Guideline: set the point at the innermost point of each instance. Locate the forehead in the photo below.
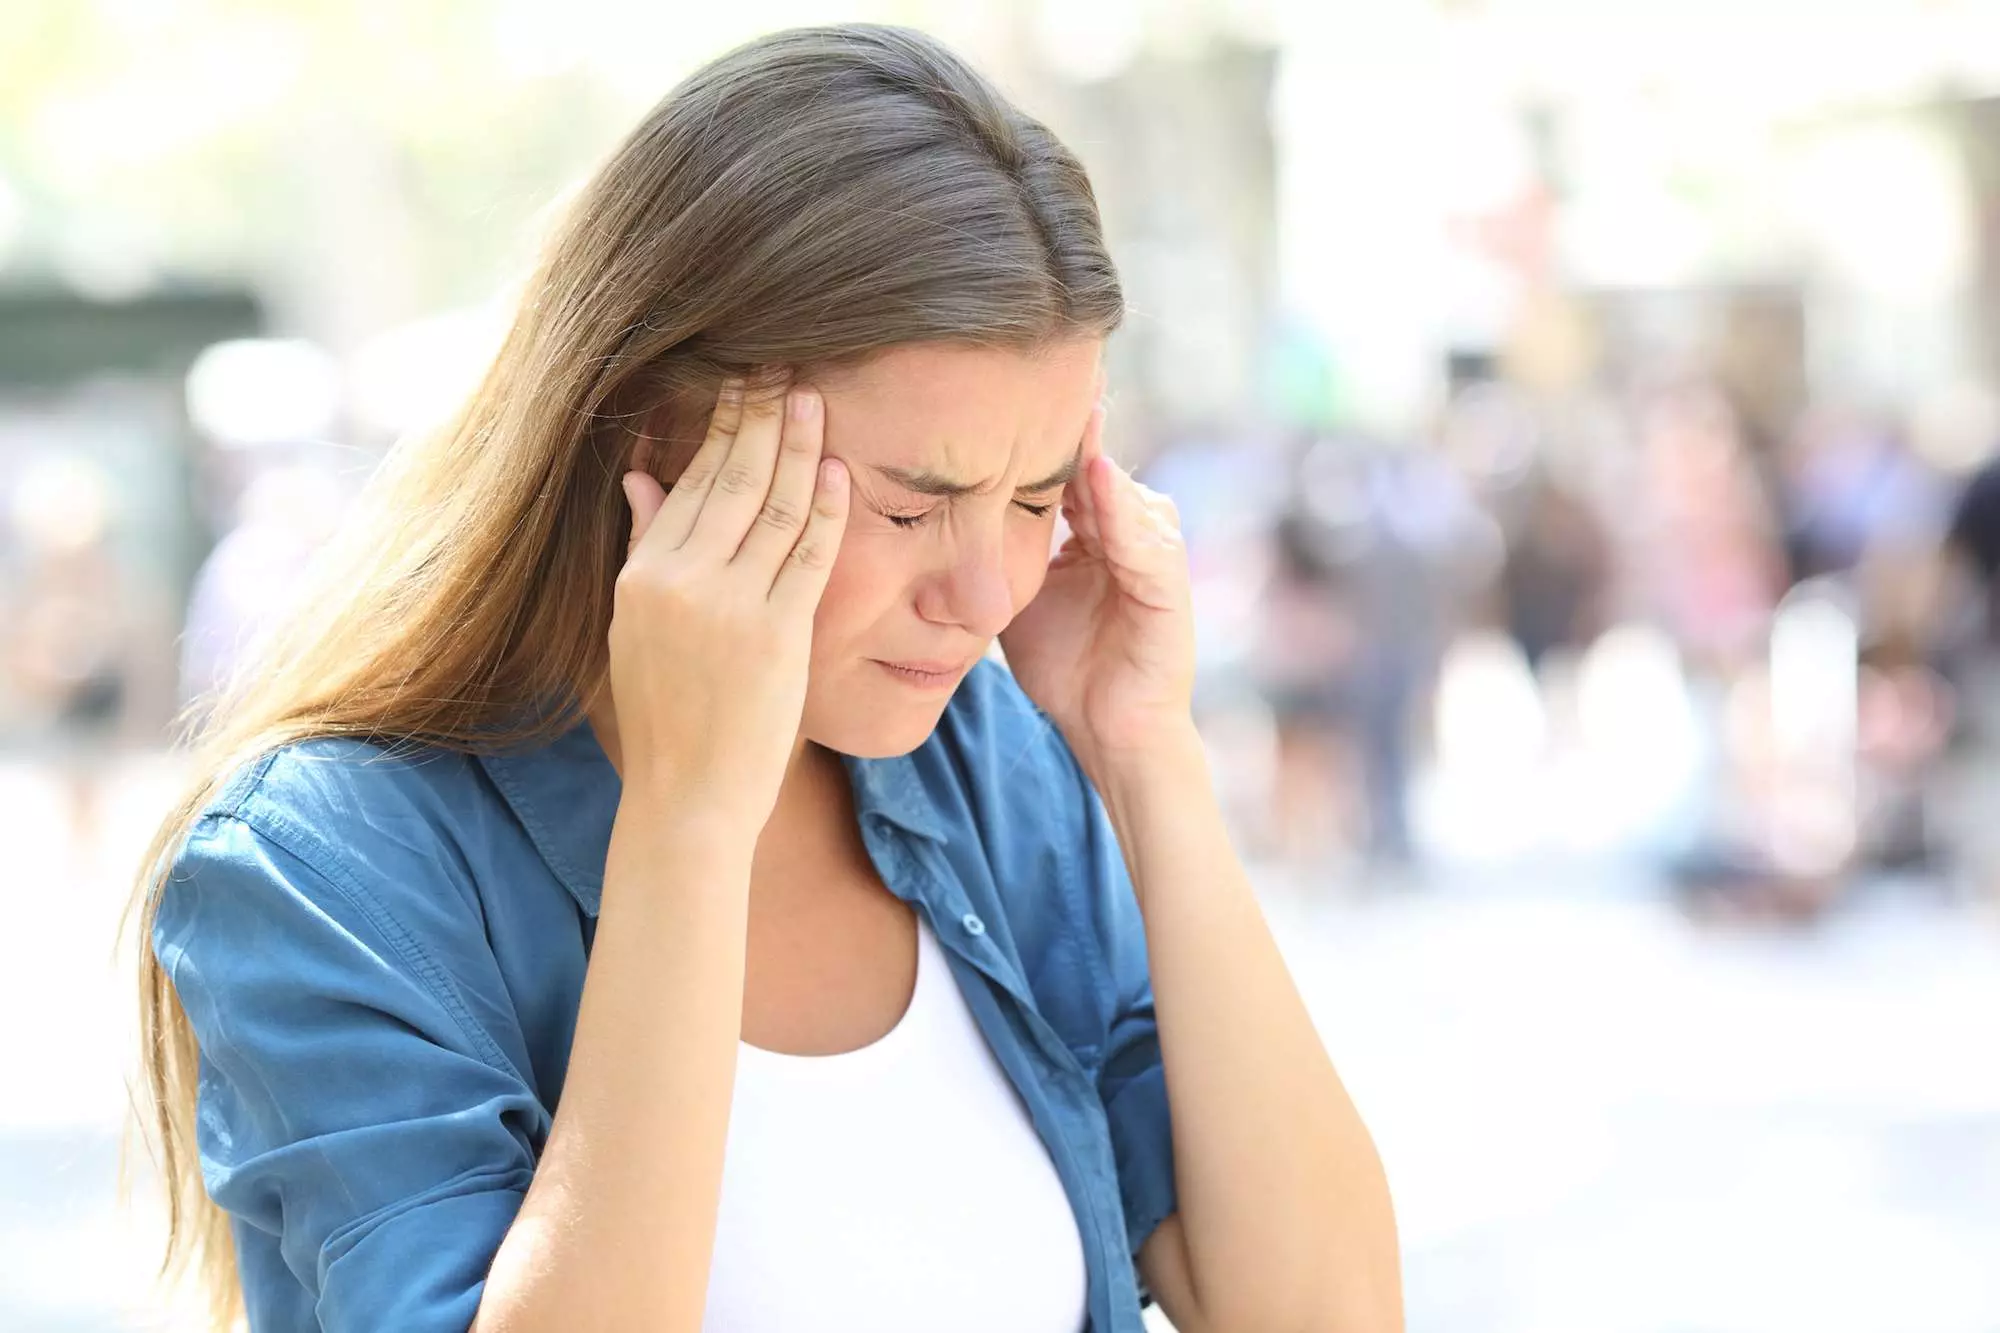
(968, 412)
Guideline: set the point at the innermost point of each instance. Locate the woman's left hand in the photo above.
(1106, 648)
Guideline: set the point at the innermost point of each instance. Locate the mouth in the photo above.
(925, 675)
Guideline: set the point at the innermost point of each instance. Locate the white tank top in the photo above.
(899, 1188)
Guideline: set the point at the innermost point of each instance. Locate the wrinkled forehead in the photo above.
(973, 414)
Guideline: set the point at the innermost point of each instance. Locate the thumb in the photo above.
(644, 495)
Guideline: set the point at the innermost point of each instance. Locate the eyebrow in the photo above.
(925, 482)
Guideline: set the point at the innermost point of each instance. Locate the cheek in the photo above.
(869, 577)
(1028, 553)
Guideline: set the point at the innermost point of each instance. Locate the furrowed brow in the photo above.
(1062, 476)
(925, 482)
(922, 481)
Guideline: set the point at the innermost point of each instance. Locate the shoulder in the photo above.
(332, 787)
(393, 814)
(368, 1091)
(331, 868)
(346, 832)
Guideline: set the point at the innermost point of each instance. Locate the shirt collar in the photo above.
(565, 794)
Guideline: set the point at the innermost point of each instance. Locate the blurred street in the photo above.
(1596, 1116)
(1585, 431)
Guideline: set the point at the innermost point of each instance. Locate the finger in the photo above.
(802, 578)
(1115, 499)
(1145, 556)
(743, 480)
(775, 530)
(1078, 507)
(1093, 430)
(643, 496)
(684, 501)
(1069, 553)
(1158, 509)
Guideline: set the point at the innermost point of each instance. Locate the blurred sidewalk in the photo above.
(1598, 1118)
(71, 1261)
(1595, 1116)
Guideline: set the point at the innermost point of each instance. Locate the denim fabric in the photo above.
(382, 954)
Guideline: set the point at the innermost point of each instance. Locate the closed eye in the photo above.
(916, 520)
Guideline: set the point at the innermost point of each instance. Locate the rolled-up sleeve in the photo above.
(350, 1109)
(1131, 1081)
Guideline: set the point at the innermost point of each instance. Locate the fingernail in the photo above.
(833, 474)
(804, 403)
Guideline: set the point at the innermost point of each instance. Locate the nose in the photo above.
(971, 593)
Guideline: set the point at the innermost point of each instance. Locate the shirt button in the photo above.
(973, 925)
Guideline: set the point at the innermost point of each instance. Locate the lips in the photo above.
(927, 668)
(926, 675)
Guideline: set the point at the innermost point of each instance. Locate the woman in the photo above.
(867, 1034)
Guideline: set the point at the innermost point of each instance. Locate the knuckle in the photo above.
(764, 406)
(737, 479)
(639, 582)
(665, 575)
(780, 514)
(810, 554)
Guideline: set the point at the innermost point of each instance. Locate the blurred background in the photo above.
(1585, 423)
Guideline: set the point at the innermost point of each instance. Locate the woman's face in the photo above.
(958, 458)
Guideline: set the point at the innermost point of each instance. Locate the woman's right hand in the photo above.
(711, 626)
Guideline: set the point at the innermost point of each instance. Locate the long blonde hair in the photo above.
(807, 200)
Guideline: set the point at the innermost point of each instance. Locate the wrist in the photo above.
(698, 822)
(1169, 758)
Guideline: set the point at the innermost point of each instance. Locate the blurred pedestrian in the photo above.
(1556, 576)
(1303, 663)
(1419, 546)
(68, 646)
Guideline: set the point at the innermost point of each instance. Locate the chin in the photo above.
(874, 738)
(857, 722)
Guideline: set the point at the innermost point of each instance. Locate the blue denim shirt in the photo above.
(382, 957)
